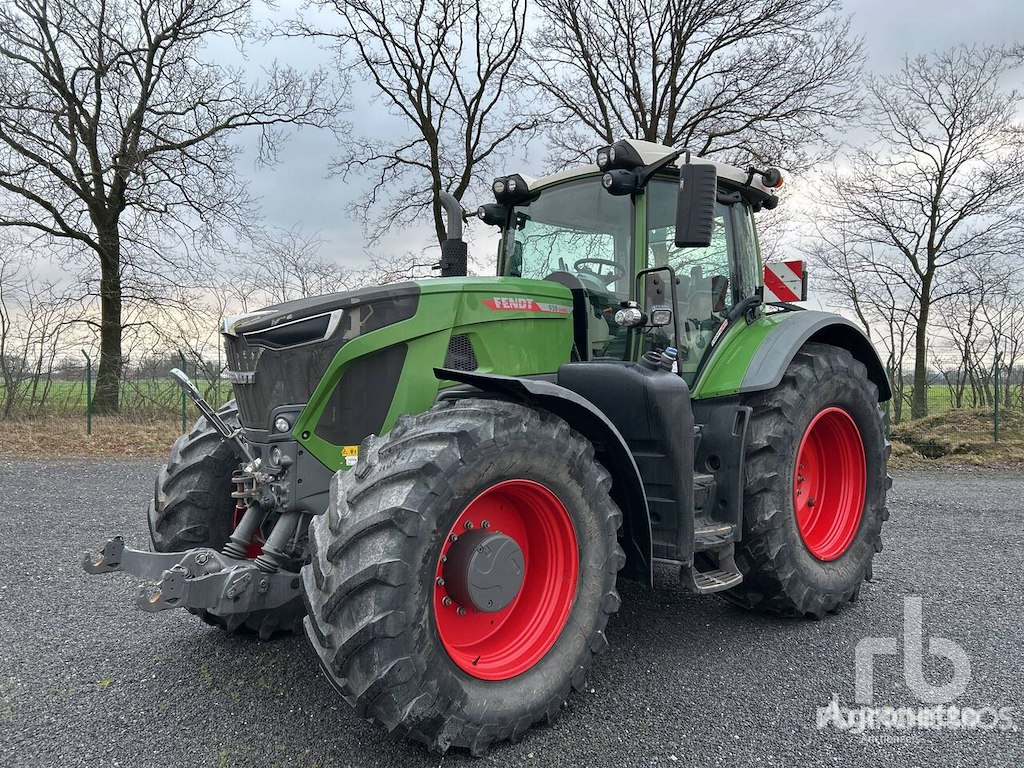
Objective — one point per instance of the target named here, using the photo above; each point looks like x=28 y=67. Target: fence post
x=887 y=421
x=995 y=406
x=88 y=393
x=184 y=402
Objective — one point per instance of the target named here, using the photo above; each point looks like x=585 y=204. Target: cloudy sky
x=298 y=192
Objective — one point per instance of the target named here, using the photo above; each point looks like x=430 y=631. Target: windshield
x=579 y=230
x=576 y=228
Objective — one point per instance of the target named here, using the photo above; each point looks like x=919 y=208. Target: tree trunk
x=108 y=378
x=919 y=402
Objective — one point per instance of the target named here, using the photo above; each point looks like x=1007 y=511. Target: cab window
x=577 y=228
x=709 y=282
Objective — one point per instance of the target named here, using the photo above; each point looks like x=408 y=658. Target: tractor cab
x=615 y=234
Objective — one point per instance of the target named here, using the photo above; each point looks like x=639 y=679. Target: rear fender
x=609 y=447
x=754 y=356
x=773 y=356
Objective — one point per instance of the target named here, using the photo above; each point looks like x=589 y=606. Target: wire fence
x=145 y=396
x=960 y=419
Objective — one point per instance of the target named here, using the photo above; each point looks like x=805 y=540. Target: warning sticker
x=351 y=455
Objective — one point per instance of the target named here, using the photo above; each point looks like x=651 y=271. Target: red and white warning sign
x=785 y=281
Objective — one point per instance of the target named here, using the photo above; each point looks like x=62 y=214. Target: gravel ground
x=85 y=679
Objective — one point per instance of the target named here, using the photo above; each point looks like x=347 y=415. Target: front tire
x=815 y=486
x=384 y=613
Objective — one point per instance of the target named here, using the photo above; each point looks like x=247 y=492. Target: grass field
x=66 y=437
x=141 y=398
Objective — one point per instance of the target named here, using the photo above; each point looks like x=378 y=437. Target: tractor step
x=703 y=485
x=725 y=576
x=709 y=535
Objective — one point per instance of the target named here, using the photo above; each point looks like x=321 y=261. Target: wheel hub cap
x=484 y=570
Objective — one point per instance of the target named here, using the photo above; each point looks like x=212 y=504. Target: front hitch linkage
x=201 y=579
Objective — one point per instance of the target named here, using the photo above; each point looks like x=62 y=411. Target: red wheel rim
x=500 y=645
x=829 y=483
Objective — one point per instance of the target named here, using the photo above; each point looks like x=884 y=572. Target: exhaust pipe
x=454 y=252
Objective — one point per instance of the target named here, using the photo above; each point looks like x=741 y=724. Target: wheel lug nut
x=461 y=611
x=485 y=524
x=440 y=581
x=469 y=525
x=446 y=601
x=444 y=558
x=810 y=502
x=453 y=537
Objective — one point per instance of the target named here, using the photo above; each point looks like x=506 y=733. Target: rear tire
x=192 y=507
x=815 y=563
x=375 y=591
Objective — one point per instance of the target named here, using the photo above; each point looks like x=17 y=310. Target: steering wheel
x=618 y=271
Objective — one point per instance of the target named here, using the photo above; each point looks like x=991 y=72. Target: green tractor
x=443 y=480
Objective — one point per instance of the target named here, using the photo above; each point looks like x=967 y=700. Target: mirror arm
x=644 y=174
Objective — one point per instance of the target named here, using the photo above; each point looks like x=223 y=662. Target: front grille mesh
x=250 y=397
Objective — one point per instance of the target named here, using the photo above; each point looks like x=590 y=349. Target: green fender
x=752 y=357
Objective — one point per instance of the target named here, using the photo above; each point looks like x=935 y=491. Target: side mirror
x=695 y=205
x=785 y=281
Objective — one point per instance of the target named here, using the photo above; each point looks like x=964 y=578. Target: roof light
x=620 y=182
x=512 y=190
x=772 y=178
x=492 y=213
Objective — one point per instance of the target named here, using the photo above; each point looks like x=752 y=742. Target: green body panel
x=517 y=326
x=723 y=373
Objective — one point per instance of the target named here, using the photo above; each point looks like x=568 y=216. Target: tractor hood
x=318 y=317
x=278 y=356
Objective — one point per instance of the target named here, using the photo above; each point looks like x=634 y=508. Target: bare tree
x=881 y=305
x=282 y=265
x=942 y=181
x=1004 y=317
x=761 y=78
x=443 y=67
x=35 y=318
x=114 y=134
